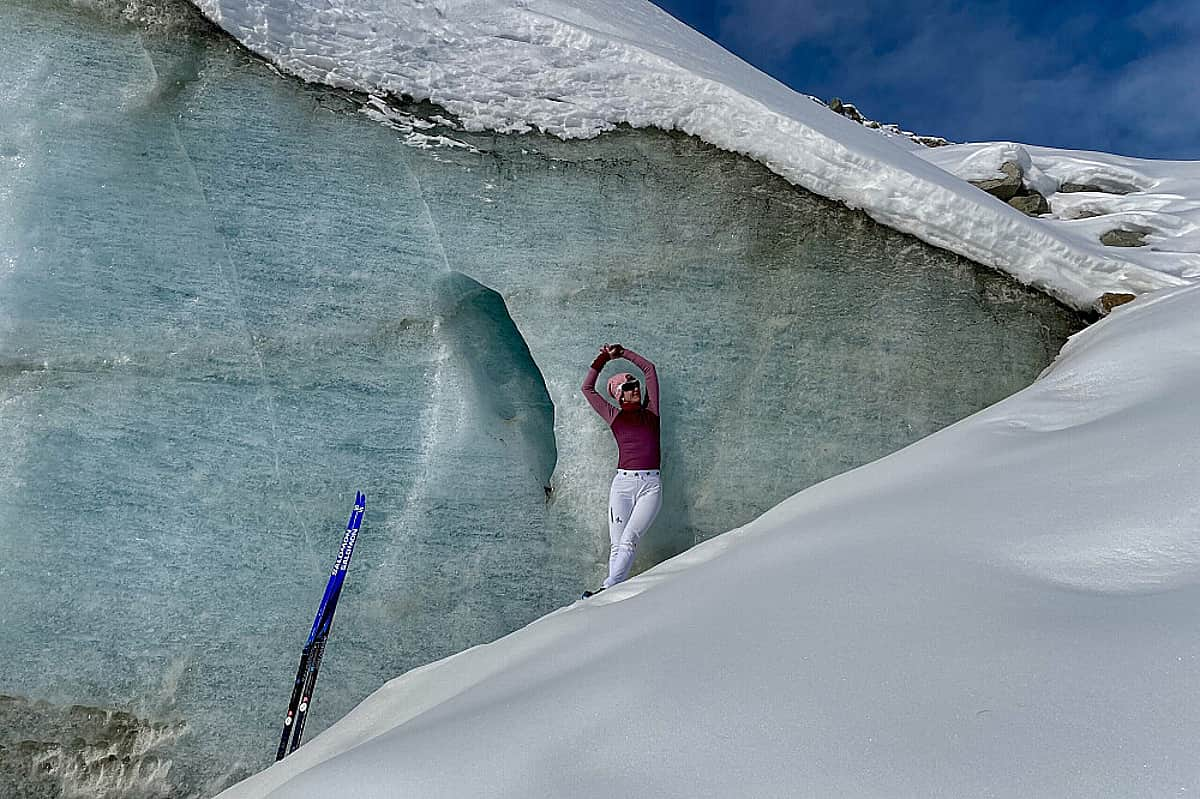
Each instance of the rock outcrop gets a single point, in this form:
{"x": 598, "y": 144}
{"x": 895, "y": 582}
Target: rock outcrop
{"x": 1124, "y": 238}
{"x": 850, "y": 111}
{"x": 1030, "y": 203}
{"x": 1112, "y": 299}
{"x": 1013, "y": 188}
{"x": 1007, "y": 187}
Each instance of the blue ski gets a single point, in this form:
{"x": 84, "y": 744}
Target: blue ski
{"x": 314, "y": 648}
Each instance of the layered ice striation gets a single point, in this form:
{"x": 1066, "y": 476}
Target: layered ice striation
{"x": 228, "y": 300}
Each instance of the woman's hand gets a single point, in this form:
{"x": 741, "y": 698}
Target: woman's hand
{"x": 615, "y": 350}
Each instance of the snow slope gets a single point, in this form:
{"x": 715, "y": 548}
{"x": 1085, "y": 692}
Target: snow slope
{"x": 1006, "y": 608}
{"x": 575, "y": 68}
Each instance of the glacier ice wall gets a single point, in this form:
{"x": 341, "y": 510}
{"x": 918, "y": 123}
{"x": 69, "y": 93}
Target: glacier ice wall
{"x": 228, "y": 300}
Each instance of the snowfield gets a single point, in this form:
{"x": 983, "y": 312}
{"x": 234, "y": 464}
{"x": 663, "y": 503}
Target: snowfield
{"x": 1005, "y": 608}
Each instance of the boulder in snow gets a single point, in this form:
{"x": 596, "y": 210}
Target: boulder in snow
{"x": 1124, "y": 238}
{"x": 1031, "y": 203}
{"x": 1111, "y": 299}
{"x": 1005, "y": 187}
{"x": 1070, "y": 187}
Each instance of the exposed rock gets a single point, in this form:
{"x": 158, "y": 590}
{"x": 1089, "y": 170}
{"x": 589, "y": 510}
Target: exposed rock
{"x": 1076, "y": 187}
{"x": 1006, "y": 187}
{"x": 847, "y": 110}
{"x": 1111, "y": 299}
{"x": 1081, "y": 213}
{"x": 1030, "y": 203}
{"x": 1123, "y": 238}
{"x": 930, "y": 141}
{"x": 851, "y": 112}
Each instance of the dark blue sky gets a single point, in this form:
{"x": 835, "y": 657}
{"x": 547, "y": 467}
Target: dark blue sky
{"x": 1122, "y": 77}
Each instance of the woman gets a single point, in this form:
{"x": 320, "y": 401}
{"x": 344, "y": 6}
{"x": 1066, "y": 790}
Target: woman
{"x": 636, "y": 493}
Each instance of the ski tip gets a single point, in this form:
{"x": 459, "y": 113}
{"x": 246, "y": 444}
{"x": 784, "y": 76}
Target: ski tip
{"x": 356, "y": 513}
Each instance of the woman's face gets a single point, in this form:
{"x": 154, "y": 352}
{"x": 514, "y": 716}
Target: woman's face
{"x": 632, "y": 396}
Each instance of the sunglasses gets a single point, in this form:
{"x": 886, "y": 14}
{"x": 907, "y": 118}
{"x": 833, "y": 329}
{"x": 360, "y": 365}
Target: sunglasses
{"x": 632, "y": 385}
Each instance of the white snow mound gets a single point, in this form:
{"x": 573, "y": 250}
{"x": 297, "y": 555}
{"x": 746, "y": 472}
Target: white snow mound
{"x": 1158, "y": 199}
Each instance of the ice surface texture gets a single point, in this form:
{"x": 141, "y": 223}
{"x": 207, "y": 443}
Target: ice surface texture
{"x": 229, "y": 300}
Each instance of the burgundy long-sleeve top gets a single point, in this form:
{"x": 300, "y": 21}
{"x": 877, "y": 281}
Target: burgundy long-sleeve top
{"x": 636, "y": 431}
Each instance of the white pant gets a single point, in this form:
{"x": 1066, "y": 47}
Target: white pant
{"x": 633, "y": 502}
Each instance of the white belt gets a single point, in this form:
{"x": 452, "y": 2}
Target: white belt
{"x": 641, "y": 473}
